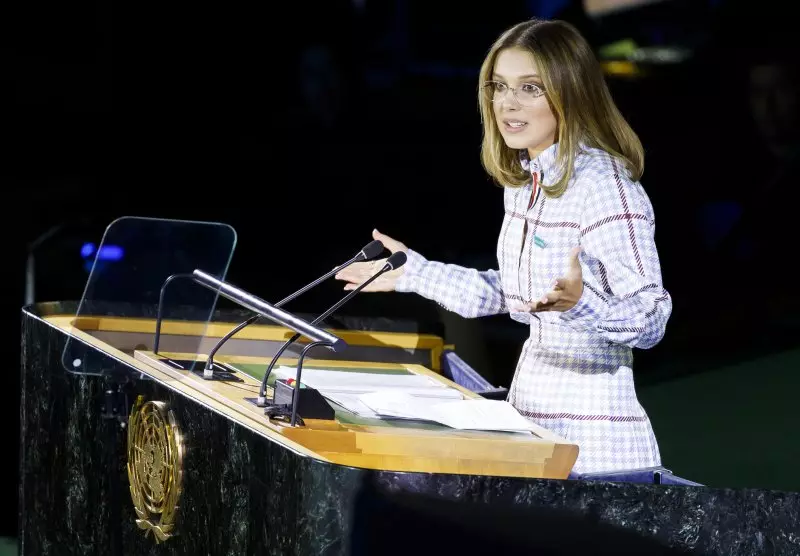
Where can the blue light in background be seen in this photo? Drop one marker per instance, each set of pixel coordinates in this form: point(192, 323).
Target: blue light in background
point(106, 253)
point(87, 250)
point(110, 253)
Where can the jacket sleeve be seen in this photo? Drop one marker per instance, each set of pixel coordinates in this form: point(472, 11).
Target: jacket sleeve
point(623, 297)
point(468, 292)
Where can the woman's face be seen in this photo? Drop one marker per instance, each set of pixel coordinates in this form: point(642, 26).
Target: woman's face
point(522, 113)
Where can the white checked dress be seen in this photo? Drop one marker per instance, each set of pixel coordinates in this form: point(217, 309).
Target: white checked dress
point(574, 376)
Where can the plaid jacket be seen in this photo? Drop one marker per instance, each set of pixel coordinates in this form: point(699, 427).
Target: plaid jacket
point(603, 211)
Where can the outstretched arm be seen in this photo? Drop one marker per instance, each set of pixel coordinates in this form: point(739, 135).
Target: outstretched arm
point(465, 291)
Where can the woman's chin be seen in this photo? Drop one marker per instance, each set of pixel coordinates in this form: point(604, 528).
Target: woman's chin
point(515, 142)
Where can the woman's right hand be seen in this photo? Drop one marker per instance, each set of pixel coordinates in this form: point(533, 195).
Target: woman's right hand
point(357, 273)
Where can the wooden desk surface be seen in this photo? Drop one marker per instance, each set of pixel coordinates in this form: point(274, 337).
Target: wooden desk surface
point(348, 440)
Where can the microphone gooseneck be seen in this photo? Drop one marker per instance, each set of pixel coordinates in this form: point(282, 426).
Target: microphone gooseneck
point(160, 311)
point(395, 261)
point(370, 251)
point(296, 393)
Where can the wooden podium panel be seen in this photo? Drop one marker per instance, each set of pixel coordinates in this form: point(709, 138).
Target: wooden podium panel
point(126, 333)
point(349, 440)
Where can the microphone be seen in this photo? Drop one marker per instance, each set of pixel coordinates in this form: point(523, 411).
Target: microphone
point(370, 251)
point(273, 313)
point(396, 260)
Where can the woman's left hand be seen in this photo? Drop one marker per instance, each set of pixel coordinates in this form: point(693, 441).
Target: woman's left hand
point(566, 291)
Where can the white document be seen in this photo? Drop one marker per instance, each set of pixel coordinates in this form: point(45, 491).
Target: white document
point(361, 383)
point(471, 414)
point(352, 403)
point(345, 388)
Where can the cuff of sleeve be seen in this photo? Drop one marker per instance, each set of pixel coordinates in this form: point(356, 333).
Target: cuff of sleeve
point(407, 282)
point(588, 310)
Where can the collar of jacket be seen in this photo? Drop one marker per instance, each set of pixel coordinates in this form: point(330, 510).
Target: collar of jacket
point(545, 164)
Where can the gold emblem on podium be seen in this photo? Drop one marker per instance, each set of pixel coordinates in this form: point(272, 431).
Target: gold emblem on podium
point(155, 467)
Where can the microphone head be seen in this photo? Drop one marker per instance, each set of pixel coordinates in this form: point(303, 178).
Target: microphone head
point(396, 260)
point(372, 249)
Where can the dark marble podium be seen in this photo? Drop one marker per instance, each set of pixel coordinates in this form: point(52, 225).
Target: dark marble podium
point(243, 494)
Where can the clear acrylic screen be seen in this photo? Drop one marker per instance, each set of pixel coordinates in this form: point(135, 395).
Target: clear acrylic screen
point(131, 264)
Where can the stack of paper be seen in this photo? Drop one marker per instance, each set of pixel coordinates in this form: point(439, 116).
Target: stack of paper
point(472, 414)
point(410, 396)
point(345, 388)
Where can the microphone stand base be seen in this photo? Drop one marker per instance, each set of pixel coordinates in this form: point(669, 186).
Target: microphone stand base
point(311, 404)
point(281, 413)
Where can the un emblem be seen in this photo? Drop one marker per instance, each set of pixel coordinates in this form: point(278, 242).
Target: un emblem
point(155, 467)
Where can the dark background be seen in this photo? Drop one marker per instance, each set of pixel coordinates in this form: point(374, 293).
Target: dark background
point(307, 124)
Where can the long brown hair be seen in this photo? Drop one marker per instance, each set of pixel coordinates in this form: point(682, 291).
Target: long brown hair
point(579, 98)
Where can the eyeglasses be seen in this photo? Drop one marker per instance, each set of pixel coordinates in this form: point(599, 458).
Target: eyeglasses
point(525, 95)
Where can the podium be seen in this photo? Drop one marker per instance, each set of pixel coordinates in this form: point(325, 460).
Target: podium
point(124, 452)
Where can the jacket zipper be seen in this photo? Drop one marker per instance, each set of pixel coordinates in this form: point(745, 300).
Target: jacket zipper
point(531, 203)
